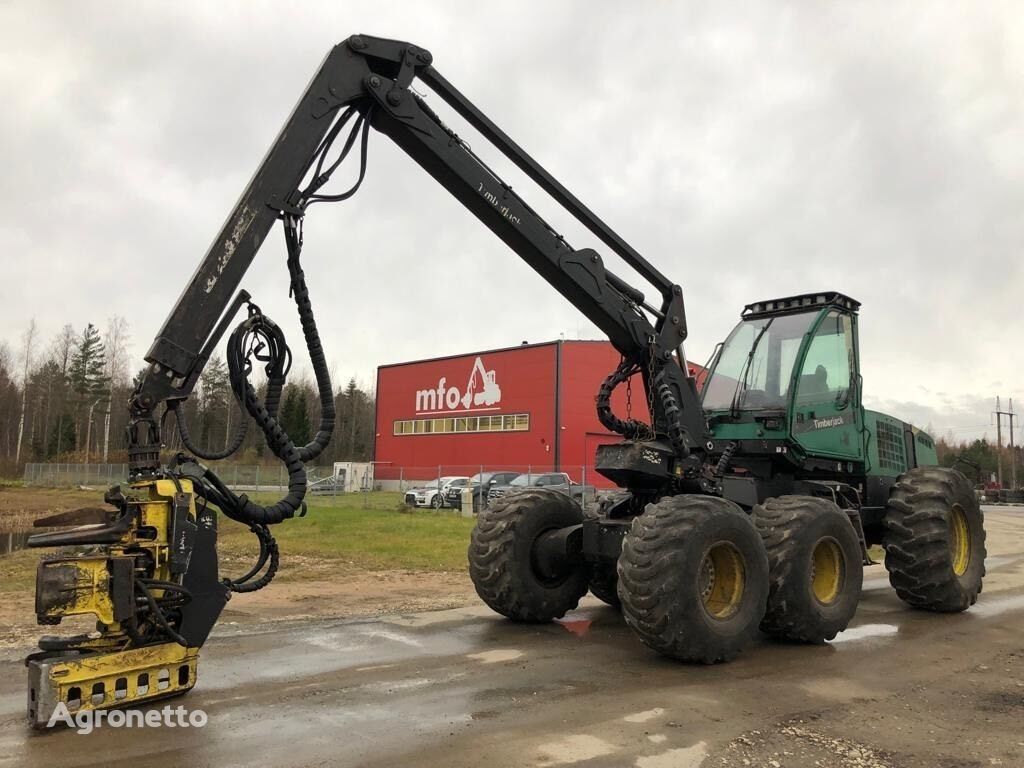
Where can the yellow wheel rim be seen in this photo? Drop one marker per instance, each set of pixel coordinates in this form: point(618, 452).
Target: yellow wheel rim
point(959, 540)
point(722, 579)
point(827, 571)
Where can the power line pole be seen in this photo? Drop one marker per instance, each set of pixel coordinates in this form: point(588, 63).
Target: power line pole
point(999, 443)
point(1013, 453)
point(999, 413)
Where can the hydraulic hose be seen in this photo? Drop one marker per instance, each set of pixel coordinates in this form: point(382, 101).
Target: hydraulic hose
point(631, 429)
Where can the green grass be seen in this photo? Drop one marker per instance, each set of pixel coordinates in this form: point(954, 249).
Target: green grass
point(18, 570)
point(375, 538)
point(337, 531)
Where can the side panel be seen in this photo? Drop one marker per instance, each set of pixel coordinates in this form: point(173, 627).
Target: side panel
point(885, 444)
point(924, 445)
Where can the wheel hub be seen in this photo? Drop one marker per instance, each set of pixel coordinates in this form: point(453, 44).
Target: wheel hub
point(721, 580)
point(959, 540)
point(828, 571)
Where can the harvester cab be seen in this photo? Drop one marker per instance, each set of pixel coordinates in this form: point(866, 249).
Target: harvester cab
point(785, 387)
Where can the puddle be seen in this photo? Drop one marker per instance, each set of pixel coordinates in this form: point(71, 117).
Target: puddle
point(993, 607)
point(688, 757)
point(865, 632)
point(643, 717)
point(495, 656)
point(573, 749)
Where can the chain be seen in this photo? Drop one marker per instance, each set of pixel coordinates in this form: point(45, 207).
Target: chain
point(629, 397)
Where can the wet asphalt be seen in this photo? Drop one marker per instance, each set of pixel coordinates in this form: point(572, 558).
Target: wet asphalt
point(467, 688)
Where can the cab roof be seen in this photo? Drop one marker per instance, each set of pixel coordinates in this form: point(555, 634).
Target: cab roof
point(803, 303)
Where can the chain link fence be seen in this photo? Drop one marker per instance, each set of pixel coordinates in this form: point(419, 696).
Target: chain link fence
point(241, 477)
point(373, 485)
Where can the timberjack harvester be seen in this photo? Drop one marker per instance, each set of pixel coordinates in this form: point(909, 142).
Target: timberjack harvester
point(749, 505)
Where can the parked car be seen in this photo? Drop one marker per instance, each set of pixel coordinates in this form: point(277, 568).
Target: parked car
point(434, 493)
point(554, 481)
point(480, 484)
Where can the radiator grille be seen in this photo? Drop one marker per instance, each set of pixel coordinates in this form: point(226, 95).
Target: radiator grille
point(891, 454)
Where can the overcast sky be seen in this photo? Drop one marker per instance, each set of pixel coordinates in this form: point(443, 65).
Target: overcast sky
point(748, 151)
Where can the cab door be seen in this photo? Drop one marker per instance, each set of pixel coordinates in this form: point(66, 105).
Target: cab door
point(826, 412)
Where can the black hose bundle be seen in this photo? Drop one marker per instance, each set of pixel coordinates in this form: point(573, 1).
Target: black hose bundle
point(259, 338)
point(631, 429)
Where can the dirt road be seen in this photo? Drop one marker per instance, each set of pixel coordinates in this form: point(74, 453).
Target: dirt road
point(465, 688)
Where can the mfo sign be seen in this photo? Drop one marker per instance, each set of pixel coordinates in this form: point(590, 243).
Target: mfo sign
point(481, 393)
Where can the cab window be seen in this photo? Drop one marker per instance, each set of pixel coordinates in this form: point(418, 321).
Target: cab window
point(825, 374)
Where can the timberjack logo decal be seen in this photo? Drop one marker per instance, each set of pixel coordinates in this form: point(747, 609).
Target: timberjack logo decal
point(812, 424)
point(482, 393)
point(835, 421)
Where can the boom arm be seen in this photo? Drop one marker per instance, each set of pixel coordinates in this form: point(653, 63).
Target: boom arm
point(151, 575)
point(374, 75)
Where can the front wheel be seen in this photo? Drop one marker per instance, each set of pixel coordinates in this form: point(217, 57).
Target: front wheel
point(935, 540)
point(436, 501)
point(693, 578)
point(503, 558)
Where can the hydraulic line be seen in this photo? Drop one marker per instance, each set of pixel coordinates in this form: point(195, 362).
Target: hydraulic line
point(631, 429)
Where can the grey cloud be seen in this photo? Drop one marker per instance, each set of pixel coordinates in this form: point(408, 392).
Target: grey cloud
point(870, 148)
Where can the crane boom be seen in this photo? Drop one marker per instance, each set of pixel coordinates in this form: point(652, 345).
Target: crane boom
point(152, 576)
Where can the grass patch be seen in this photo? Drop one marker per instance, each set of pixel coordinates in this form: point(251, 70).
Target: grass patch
point(18, 571)
point(382, 536)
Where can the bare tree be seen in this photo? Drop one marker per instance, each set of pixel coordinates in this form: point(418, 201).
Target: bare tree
point(62, 348)
point(27, 353)
point(117, 369)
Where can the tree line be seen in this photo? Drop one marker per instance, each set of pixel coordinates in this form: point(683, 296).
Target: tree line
point(64, 399)
point(980, 459)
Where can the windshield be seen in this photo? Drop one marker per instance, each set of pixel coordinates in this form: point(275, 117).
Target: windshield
point(522, 479)
point(755, 366)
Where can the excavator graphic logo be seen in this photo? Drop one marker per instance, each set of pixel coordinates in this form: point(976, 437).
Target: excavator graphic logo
point(482, 391)
point(487, 392)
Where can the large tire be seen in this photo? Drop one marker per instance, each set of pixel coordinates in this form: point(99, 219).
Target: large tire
point(604, 577)
point(815, 568)
point(935, 540)
point(501, 557)
point(693, 578)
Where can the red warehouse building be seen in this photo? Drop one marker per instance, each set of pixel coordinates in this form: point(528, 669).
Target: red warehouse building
point(519, 408)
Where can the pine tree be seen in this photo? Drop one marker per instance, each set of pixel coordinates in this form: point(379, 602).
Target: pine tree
point(88, 361)
point(87, 374)
point(216, 400)
point(295, 415)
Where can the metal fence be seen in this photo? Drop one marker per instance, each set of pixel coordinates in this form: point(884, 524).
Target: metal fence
point(385, 489)
point(243, 477)
point(399, 478)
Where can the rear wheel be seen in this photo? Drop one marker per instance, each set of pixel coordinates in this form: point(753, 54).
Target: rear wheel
point(935, 540)
point(693, 578)
point(504, 563)
point(815, 567)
